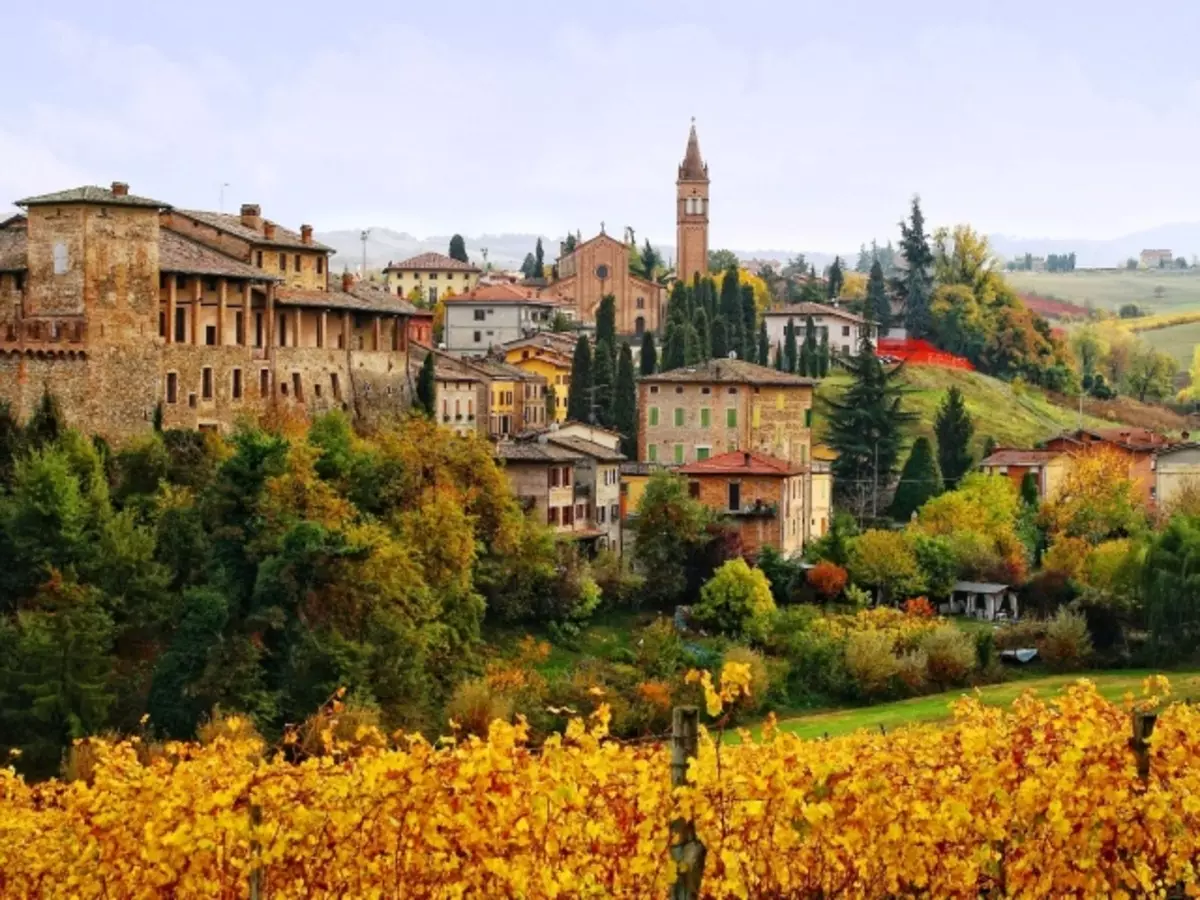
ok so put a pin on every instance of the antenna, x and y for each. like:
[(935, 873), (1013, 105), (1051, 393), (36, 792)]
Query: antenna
[(221, 203), (366, 233)]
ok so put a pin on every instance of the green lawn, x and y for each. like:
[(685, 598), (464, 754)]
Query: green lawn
[(936, 707), (1160, 290), (1178, 340)]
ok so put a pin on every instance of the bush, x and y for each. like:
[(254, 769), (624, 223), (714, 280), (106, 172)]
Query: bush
[(856, 596), (737, 601), (787, 622), (817, 673), (620, 587), (828, 579), (985, 648), (871, 662), (1067, 644), (1020, 635), (784, 574), (912, 668), (950, 654), (660, 652), (921, 607), (340, 726), (475, 705), (760, 678)]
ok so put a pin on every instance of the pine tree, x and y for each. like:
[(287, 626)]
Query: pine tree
[(919, 481), (823, 354), (954, 429), (877, 307), (864, 260), (648, 364), (809, 352), (833, 286), (603, 375), (11, 440), (791, 356), (914, 286), (720, 339), (703, 335), (606, 320), (427, 388), (749, 323), (528, 265), (539, 259), (579, 400), (866, 427), (650, 260), (674, 347), (780, 359), (625, 402), (458, 248), (764, 345)]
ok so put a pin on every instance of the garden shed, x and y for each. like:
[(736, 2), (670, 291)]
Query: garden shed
[(982, 600)]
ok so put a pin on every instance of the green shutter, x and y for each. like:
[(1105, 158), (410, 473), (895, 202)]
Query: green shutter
[(731, 418), (705, 417), (679, 417), (702, 453), (652, 451), (808, 418), (654, 415), (679, 454)]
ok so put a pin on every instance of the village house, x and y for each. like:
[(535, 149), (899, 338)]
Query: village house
[(1137, 445), (120, 305), (491, 315), (843, 329), (432, 276), (1047, 467), (550, 355), (597, 477), (461, 391), (516, 398), (542, 476), (1156, 259), (1176, 473)]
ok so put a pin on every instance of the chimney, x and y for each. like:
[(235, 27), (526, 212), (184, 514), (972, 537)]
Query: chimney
[(347, 281), (120, 189), (268, 229), (252, 216), (747, 457), (306, 234)]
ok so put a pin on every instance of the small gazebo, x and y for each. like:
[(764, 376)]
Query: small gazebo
[(982, 600)]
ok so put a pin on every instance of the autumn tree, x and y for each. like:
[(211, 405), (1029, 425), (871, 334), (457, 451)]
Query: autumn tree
[(737, 601), (953, 428), (671, 528), (1151, 373), (1096, 498), (884, 560)]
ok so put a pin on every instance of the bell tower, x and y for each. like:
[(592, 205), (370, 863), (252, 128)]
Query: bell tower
[(691, 212)]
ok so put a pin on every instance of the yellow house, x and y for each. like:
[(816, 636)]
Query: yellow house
[(432, 275), (549, 355)]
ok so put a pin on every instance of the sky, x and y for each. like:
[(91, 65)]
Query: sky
[(819, 121)]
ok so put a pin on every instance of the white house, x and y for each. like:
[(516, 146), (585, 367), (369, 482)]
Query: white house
[(843, 327), (492, 315), (982, 600)]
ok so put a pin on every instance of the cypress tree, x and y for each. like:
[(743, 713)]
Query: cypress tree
[(539, 259), (779, 357), (458, 248), (764, 345), (731, 309), (11, 440), (808, 353), (1029, 490), (954, 429), (674, 347), (833, 287), (606, 320), (551, 403), (703, 335), (866, 428), (720, 339), (791, 358), (823, 355), (877, 307), (579, 401), (603, 375), (691, 344), (427, 388), (649, 360), (625, 403), (914, 286), (749, 320), (919, 481), (528, 265)]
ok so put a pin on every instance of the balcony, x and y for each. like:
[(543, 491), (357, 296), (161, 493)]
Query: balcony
[(757, 510), (583, 490)]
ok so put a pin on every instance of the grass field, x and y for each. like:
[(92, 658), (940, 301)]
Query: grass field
[(1159, 290), (1178, 340), (936, 707)]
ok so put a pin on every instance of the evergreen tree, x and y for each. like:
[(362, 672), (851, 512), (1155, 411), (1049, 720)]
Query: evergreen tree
[(551, 399), (625, 403), (866, 427), (703, 335), (763, 357), (528, 265), (649, 359), (691, 344), (780, 358), (720, 339), (811, 291), (707, 295), (674, 347), (731, 309), (46, 424), (651, 260), (954, 429), (603, 375), (606, 321), (569, 245), (864, 260), (914, 286), (833, 286), (458, 248), (1029, 490), (749, 323), (920, 480), (427, 388), (539, 260), (10, 443), (791, 356), (823, 355), (677, 304), (156, 423), (878, 308), (809, 352), (989, 446), (579, 400)]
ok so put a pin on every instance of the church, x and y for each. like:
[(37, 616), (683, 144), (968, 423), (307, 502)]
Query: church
[(600, 265)]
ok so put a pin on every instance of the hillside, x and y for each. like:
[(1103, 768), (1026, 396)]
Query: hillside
[(1014, 416), (1158, 290)]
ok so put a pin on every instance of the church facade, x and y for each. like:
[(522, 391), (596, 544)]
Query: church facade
[(600, 265)]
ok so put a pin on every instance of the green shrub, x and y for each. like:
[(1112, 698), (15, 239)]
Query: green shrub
[(620, 587), (856, 596), (736, 601), (817, 673), (659, 651), (787, 622), (1067, 644), (912, 668), (871, 662), (950, 654), (985, 648), (1020, 635)]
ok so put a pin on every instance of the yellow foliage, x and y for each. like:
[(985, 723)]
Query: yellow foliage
[(762, 293)]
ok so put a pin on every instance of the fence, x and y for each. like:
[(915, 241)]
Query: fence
[(920, 353)]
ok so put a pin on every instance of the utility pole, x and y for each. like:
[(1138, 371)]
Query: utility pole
[(875, 485), (221, 205), (366, 233)]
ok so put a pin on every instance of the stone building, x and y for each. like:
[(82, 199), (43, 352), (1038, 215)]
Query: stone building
[(1156, 259), (461, 391), (542, 476), (1138, 446), (491, 315), (600, 266), (597, 477), (1176, 474), (118, 304), (1048, 467), (550, 355), (516, 398), (690, 414), (843, 328), (432, 275)]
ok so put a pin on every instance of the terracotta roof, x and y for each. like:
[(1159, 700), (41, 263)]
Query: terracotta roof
[(232, 224), (586, 447), (372, 293), (445, 367), (333, 299), (534, 451), (729, 371), (742, 462), (13, 242), (693, 167), (92, 194), (178, 254), (559, 341), (495, 368), (436, 262), (501, 293), (1009, 456), (796, 310), (1126, 438)]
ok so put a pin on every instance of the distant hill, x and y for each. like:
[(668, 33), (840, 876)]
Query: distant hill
[(1183, 239)]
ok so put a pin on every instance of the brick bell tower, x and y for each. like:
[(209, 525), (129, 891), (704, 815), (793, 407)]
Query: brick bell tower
[(691, 212)]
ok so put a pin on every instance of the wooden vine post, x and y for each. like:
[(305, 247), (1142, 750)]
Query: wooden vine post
[(255, 867), (686, 849), (1143, 727)]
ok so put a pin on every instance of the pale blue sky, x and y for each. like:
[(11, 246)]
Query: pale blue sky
[(818, 120)]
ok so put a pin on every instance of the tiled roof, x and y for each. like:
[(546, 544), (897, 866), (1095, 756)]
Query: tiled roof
[(586, 447), (13, 241), (336, 299), (501, 293), (742, 462), (534, 451), (232, 224), (94, 195), (436, 262), (178, 254), (445, 367), (373, 293), (1008, 456), (729, 371), (1126, 438), (495, 368), (796, 310)]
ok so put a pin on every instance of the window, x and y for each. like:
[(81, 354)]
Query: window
[(162, 321), (694, 490), (239, 328), (478, 336), (432, 296), (433, 276), (731, 418), (296, 262), (641, 303), (172, 387), (568, 516), (735, 496), (282, 262), (652, 453), (320, 265), (615, 512), (654, 415), (654, 388), (264, 382), (732, 391), (296, 387), (679, 416), (706, 391), (552, 515), (258, 259), (555, 476), (60, 258), (320, 330), (639, 326), (192, 400), (702, 453), (210, 335), (206, 390), (283, 329), (566, 476), (679, 390), (679, 454), (845, 331), (317, 389), (600, 513), (808, 418), (180, 324), (757, 420), (480, 315), (258, 329), (236, 391)]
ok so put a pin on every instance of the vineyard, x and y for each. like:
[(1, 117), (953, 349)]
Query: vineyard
[(1044, 799)]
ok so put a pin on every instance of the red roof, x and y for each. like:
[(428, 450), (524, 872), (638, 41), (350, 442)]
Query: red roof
[(1010, 456), (436, 262), (742, 462), (1129, 438), (504, 293)]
